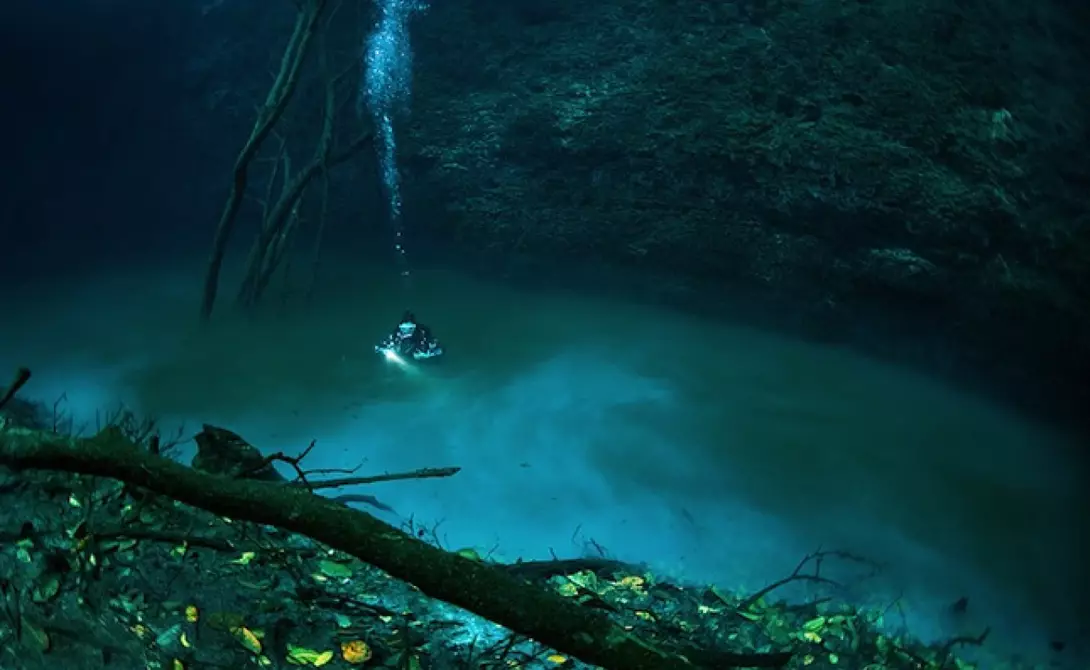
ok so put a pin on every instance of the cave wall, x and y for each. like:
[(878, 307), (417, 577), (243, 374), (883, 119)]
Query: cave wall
[(919, 165)]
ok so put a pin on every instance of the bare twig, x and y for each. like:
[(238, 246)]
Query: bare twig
[(58, 412), (817, 558), (423, 473), (303, 475), (948, 648), (423, 532), (294, 461)]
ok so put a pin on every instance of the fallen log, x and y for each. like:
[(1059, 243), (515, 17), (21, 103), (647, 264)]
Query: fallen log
[(486, 590)]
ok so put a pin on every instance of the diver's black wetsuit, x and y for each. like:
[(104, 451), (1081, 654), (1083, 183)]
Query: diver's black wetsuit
[(410, 338)]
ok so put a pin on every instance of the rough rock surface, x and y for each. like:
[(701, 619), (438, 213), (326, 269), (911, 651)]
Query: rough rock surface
[(923, 159)]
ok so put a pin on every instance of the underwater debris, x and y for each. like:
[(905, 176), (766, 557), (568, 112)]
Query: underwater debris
[(148, 561)]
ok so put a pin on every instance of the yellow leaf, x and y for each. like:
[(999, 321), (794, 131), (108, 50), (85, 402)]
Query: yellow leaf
[(556, 658), (814, 624), (247, 639), (245, 558), (302, 655), (192, 614), (356, 652), (586, 579), (176, 665), (810, 636)]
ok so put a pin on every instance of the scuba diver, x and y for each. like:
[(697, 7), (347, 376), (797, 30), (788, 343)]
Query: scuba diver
[(410, 340)]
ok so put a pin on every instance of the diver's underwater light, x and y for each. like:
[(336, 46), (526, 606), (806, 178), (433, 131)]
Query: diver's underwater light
[(405, 365), (393, 357)]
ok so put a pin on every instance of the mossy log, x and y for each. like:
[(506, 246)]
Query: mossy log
[(481, 588)]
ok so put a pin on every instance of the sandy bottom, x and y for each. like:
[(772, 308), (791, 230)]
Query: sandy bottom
[(714, 453)]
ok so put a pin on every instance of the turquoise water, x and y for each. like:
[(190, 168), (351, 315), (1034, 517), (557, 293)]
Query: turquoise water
[(714, 453)]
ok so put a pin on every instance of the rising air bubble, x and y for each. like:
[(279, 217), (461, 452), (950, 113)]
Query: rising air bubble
[(385, 91)]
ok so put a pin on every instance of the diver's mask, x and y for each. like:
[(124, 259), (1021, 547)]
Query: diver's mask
[(406, 329)]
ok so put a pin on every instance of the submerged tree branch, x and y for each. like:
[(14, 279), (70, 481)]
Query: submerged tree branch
[(281, 216), (275, 103), (22, 376), (483, 589)]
